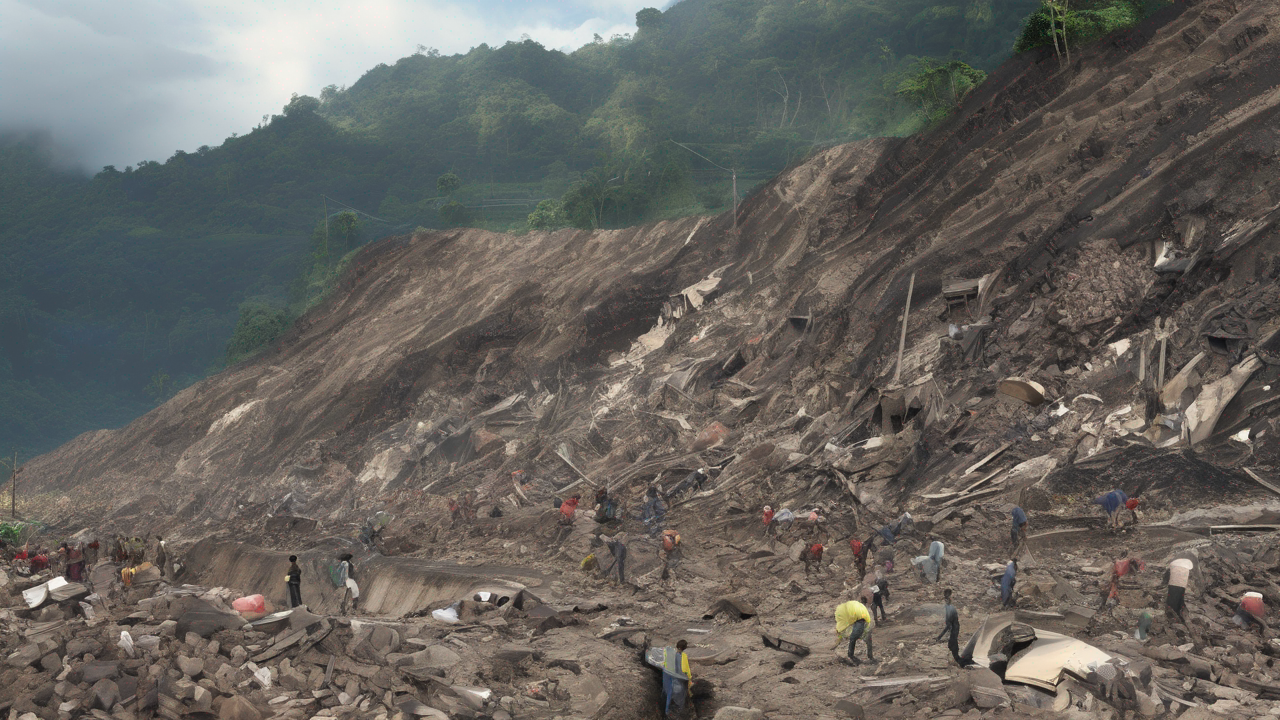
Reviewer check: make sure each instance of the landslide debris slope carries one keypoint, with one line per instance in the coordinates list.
(1075, 224)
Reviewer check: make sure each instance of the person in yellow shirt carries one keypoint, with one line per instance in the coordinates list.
(676, 678)
(852, 617)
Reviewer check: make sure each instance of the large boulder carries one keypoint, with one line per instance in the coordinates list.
(105, 694)
(237, 707)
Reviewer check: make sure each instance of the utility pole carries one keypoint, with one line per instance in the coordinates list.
(733, 172)
(902, 339)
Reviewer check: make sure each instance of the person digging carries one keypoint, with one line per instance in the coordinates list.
(852, 617)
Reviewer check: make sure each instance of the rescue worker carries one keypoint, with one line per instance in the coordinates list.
(811, 556)
(618, 549)
(347, 581)
(568, 508)
(162, 557)
(951, 628)
(1018, 533)
(691, 483)
(891, 531)
(1178, 577)
(853, 617)
(1119, 569)
(671, 552)
(654, 512)
(1249, 613)
(1113, 503)
(676, 678)
(859, 555)
(1007, 583)
(875, 590)
(604, 505)
(293, 582)
(767, 518)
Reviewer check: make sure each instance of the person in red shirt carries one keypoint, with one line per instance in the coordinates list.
(568, 508)
(39, 562)
(859, 555)
(1122, 567)
(811, 556)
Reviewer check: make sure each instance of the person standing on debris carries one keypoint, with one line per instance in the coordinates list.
(810, 556)
(676, 679)
(293, 582)
(767, 518)
(859, 555)
(137, 551)
(930, 566)
(853, 617)
(347, 581)
(654, 512)
(75, 563)
(952, 628)
(1018, 534)
(1119, 569)
(162, 557)
(1007, 583)
(874, 591)
(39, 562)
(1178, 577)
(91, 553)
(1113, 503)
(671, 552)
(618, 549)
(568, 508)
(455, 511)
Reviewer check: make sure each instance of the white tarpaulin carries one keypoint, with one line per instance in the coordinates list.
(36, 596)
(1041, 663)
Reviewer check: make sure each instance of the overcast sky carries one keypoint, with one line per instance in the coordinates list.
(120, 81)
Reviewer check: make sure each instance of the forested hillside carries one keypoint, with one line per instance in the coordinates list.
(119, 289)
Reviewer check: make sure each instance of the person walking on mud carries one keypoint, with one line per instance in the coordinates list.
(618, 549)
(951, 628)
(347, 582)
(293, 582)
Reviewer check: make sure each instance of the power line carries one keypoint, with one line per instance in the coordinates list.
(734, 173)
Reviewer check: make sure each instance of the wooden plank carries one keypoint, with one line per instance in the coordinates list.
(1243, 528)
(973, 496)
(990, 456)
(975, 485)
(872, 681)
(1262, 482)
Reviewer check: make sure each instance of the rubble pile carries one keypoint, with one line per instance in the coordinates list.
(158, 650)
(898, 341)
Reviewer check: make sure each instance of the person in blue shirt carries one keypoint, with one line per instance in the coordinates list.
(1007, 582)
(1018, 534)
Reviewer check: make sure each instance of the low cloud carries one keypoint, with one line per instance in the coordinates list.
(131, 80)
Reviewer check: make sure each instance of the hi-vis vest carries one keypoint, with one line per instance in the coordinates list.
(671, 663)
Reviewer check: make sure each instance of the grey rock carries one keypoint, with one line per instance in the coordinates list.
(105, 694)
(191, 667)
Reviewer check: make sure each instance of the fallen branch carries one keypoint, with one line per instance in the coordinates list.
(990, 456)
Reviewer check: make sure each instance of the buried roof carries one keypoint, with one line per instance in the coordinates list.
(1043, 661)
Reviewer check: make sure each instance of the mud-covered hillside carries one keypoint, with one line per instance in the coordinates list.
(1094, 202)
(1091, 259)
